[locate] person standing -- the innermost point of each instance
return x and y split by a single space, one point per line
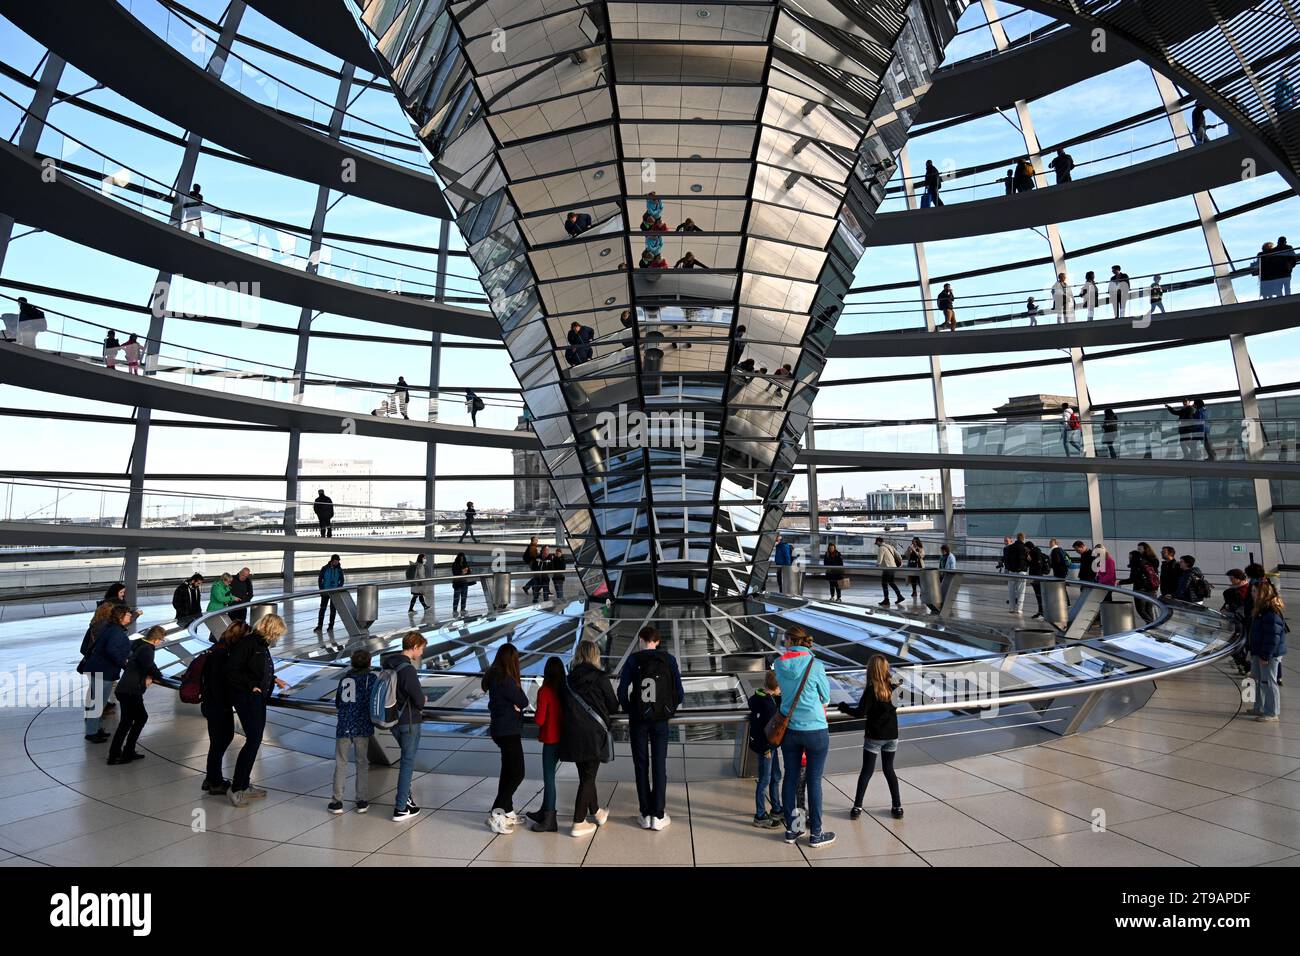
459 585
138 675
549 718
1199 131
650 690
1192 586
945 302
353 730
1063 165
1071 430
1062 299
1202 416
192 211
324 508
782 557
1109 431
1118 291
1169 573
1058 560
469 523
218 708
410 718
506 705
585 739
579 338
31 322
241 589
402 395
1024 176
1009 182
834 562
763 705
805 692
1033 311
947 564
111 347
1156 294
103 665
187 599
933 183
887 559
1286 260
329 578
880 734
1189 429
473 405
1088 293
418 573
1267 647
914 557
252 681
132 351
557 566
1015 561
220 596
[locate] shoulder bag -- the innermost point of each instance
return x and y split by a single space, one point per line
608 755
779 723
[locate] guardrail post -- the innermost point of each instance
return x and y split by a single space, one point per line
950 586
1056 603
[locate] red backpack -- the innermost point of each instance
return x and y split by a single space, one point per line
1151 577
192 680
1074 421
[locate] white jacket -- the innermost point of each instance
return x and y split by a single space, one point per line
886 556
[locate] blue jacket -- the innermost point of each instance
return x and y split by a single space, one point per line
506 703
1268 635
329 577
783 553
810 714
354 712
111 652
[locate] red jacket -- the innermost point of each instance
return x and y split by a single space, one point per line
548 716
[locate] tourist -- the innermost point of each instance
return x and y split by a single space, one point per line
1199 130
1063 164
1144 577
1170 572
1267 648
473 405
1271 269
459 585
353 730
688 225
933 182
782 557
1032 311
549 718
806 689
1009 181
945 302
1087 562
506 704
650 690
192 211
324 508
220 596
1109 431
418 573
1156 294
1062 299
1058 560
401 396
540 583
914 557
1039 567
1202 415
329 578
1118 291
218 708
138 674
31 322
1192 586
887 559
1238 603
763 705
252 681
1088 293
880 734
556 565
1190 430
1104 565
1071 430
576 223
111 347
580 337
468 529
241 589
585 738
410 717
1015 561
187 600
1285 257
103 665
947 564
1024 176
834 562
132 351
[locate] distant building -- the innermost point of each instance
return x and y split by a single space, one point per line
345 480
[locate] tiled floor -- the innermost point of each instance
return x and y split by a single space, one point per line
1185 781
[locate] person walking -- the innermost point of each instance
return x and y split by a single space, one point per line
187 600
945 302
1200 132
1267 647
1202 416
887 559
880 734
557 565
1071 430
1156 296
103 666
132 351
650 691
763 704
469 523
933 183
1190 430
1063 165
549 718
834 562
1088 293
410 718
1144 577
459 585
1015 561
218 708
1058 560
1109 431
1286 261
782 557
138 675
1062 299
805 692
192 211
418 573
252 681
473 405
914 557
1118 291
324 508
506 705
1170 572
1032 311
585 739
353 730
401 396
947 564
329 578
241 589
1192 586
111 347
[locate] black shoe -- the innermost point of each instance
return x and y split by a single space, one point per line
884 603
855 813
114 761
897 812
217 789
411 805
536 816
335 806
97 738
133 755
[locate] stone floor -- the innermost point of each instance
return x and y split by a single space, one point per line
1185 781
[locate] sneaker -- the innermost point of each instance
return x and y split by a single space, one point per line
791 836
97 738
769 822
646 822
1267 720
512 818
855 813
582 829
897 812
336 806
405 813
819 840
661 823
411 805
601 817
363 806
254 793
882 604
237 798
498 823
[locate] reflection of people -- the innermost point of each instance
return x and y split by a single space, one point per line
579 338
576 223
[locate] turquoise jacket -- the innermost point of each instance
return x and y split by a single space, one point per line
810 714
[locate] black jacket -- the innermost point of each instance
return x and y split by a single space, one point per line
410 695
582 738
1015 557
324 508
1188 423
1060 562
250 667
506 700
242 591
1137 578
557 563
187 601
832 562
881 716
216 682
1170 572
139 667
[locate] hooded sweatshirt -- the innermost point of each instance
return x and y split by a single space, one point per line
410 695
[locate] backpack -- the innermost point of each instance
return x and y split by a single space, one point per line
383 699
653 694
1201 587
1038 564
1150 576
192 680
1074 421
478 404
410 571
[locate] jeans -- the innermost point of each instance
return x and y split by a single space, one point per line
816 744
558 584
585 802
512 770
1268 700
769 783
408 738
1071 438
130 723
550 763
251 709
1016 589
325 602
650 762
459 598
358 746
887 582
98 692
221 731
469 530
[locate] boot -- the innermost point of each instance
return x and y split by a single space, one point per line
547 824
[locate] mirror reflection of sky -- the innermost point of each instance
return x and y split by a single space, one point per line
271 78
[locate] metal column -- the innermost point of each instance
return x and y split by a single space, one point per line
814 511
38 110
435 381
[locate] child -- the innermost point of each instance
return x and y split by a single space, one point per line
139 672
354 730
762 705
549 717
881 734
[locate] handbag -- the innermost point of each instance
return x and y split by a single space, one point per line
779 723
608 755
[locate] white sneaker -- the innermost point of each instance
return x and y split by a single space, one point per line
646 822
512 818
499 823
601 816
582 829
660 823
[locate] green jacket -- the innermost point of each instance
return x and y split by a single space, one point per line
221 596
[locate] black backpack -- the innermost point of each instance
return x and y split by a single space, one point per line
1039 566
478 404
653 694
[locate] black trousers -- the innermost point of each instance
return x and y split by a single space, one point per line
887 582
221 732
586 802
325 530
836 584
129 724
418 596
512 770
325 602
251 709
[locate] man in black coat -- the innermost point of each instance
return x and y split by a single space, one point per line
241 589
324 508
187 599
